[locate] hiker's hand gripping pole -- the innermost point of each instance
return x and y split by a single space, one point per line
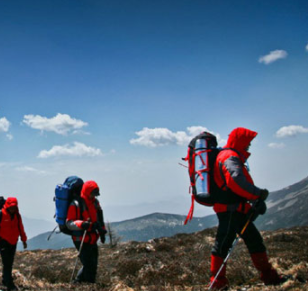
79 252
238 236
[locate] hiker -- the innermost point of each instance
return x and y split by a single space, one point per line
11 228
85 219
232 176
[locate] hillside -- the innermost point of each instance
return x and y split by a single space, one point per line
286 208
179 263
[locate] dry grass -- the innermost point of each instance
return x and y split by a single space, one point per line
179 263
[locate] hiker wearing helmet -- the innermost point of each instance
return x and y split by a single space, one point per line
232 176
86 217
11 228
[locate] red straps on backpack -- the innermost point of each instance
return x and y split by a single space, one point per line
191 210
202 151
191 158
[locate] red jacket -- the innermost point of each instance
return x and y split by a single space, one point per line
11 226
231 174
90 210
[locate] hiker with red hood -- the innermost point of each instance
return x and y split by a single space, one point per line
232 176
85 219
11 228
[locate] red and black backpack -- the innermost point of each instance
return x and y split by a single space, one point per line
201 157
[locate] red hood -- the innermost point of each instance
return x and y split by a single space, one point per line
87 188
10 201
239 139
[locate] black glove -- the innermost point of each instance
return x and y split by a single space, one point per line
95 226
85 225
259 209
103 238
263 194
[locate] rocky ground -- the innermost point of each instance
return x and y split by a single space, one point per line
178 263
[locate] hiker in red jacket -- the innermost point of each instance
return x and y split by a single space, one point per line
85 217
11 228
232 176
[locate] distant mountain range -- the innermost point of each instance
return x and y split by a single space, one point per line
159 225
138 229
286 208
34 227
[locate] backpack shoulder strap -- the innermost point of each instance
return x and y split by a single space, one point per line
96 203
81 204
220 168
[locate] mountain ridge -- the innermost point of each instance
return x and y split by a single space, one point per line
293 198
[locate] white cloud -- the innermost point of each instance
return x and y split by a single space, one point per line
4 125
275 145
291 130
77 150
195 130
28 169
155 137
273 56
307 47
80 132
61 123
9 136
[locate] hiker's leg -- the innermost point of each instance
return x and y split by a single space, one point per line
225 236
7 254
257 250
88 257
226 233
80 277
253 239
90 263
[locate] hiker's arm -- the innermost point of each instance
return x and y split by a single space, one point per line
22 232
100 219
236 180
72 222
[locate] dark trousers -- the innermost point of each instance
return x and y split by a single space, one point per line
231 223
89 260
7 254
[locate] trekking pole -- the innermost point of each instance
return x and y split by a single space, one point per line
80 248
52 233
238 236
183 165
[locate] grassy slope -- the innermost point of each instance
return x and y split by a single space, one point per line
178 263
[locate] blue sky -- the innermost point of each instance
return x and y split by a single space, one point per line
114 90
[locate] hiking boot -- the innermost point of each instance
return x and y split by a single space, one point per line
76 281
279 280
271 277
11 287
220 284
